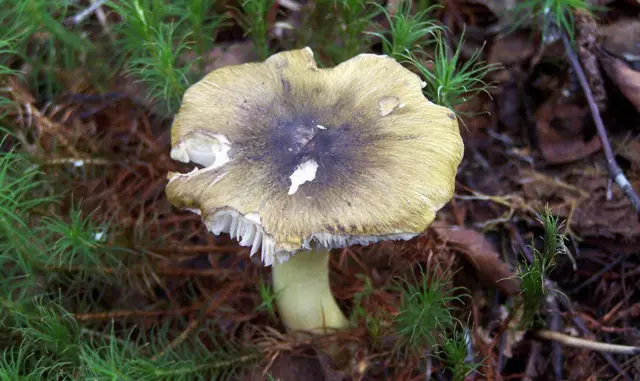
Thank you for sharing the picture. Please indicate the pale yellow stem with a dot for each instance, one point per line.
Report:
(303, 296)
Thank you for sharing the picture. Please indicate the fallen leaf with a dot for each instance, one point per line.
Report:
(504, 11)
(579, 193)
(223, 54)
(503, 47)
(560, 129)
(627, 79)
(482, 255)
(600, 215)
(230, 54)
(620, 39)
(620, 56)
(630, 150)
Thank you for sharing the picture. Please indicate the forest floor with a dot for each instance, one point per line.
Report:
(155, 271)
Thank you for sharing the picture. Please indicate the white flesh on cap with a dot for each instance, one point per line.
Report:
(303, 173)
(303, 295)
(387, 105)
(209, 151)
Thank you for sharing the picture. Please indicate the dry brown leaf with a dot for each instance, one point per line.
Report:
(482, 255)
(560, 129)
(627, 79)
(580, 192)
(630, 150)
(620, 39)
(504, 11)
(503, 48)
(620, 48)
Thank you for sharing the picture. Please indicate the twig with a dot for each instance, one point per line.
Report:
(634, 310)
(501, 330)
(595, 324)
(50, 127)
(103, 336)
(579, 323)
(501, 348)
(136, 313)
(428, 369)
(587, 344)
(597, 275)
(566, 303)
(447, 37)
(102, 18)
(605, 319)
(196, 322)
(470, 358)
(290, 5)
(143, 269)
(556, 323)
(211, 365)
(78, 162)
(513, 202)
(81, 16)
(531, 372)
(612, 166)
(193, 324)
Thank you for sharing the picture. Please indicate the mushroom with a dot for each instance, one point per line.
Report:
(295, 160)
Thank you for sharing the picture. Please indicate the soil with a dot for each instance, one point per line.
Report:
(530, 143)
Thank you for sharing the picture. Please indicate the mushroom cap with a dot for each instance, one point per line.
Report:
(294, 156)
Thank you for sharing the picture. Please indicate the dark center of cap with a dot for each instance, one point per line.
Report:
(293, 141)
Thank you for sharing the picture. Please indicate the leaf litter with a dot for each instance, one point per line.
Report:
(535, 148)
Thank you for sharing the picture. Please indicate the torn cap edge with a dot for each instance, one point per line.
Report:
(249, 231)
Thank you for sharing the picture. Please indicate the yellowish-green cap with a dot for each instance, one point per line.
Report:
(292, 156)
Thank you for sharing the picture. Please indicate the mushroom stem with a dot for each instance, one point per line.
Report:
(303, 295)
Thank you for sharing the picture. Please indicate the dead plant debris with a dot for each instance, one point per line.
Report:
(530, 143)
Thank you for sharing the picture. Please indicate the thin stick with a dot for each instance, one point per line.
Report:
(612, 166)
(530, 371)
(111, 315)
(566, 303)
(195, 323)
(587, 344)
(80, 17)
(597, 275)
(579, 323)
(556, 323)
